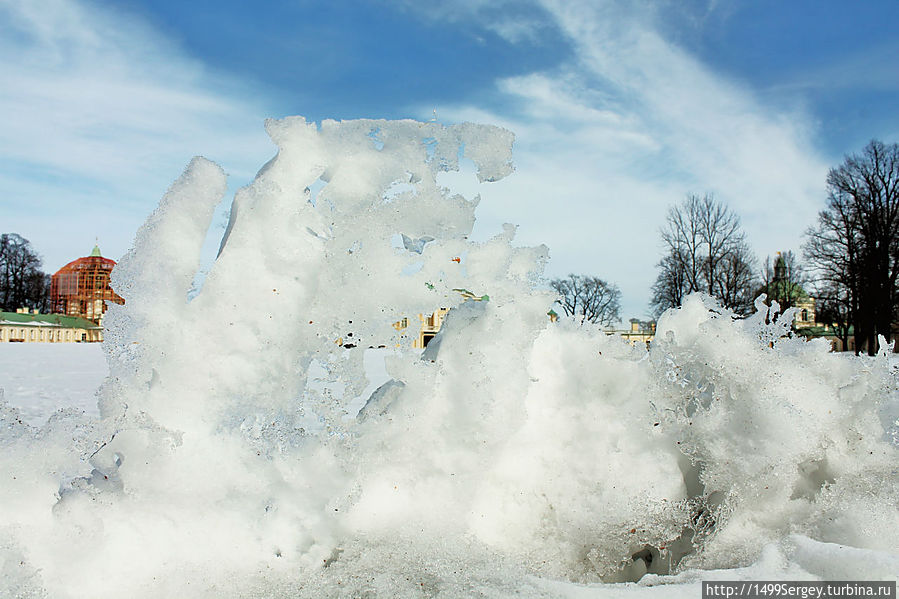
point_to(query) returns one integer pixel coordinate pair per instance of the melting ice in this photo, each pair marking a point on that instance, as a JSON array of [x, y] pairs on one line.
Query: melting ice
[[240, 452]]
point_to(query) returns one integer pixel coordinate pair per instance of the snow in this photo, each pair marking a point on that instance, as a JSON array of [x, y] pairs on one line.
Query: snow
[[40, 378], [245, 449]]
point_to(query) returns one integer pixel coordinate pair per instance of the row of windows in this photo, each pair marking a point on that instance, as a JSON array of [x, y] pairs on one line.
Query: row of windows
[[36, 335]]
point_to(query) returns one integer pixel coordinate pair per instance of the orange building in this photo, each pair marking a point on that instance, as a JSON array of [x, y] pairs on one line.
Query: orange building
[[81, 287]]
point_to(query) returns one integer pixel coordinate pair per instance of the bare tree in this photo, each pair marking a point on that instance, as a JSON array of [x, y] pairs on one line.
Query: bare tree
[[854, 249], [832, 250], [670, 287], [706, 251], [588, 298], [833, 307], [22, 283]]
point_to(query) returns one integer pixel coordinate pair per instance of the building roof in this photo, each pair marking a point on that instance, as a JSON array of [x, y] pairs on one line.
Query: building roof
[[95, 259], [47, 320], [821, 331], [787, 289], [87, 262]]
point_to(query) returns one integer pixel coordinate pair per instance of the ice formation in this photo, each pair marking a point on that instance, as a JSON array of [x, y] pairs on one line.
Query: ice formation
[[240, 454]]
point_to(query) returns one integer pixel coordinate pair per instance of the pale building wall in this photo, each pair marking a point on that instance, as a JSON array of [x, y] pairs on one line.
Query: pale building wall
[[429, 326], [805, 313], [29, 333], [39, 331]]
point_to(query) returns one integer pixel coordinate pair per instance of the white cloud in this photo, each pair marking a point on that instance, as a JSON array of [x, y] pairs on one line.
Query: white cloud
[[99, 110], [607, 143], [516, 30], [604, 143]]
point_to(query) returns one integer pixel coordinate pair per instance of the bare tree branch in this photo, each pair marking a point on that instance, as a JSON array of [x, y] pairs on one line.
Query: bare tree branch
[[589, 298], [706, 251]]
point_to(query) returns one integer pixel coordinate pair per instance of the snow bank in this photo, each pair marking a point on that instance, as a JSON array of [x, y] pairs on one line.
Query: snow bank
[[232, 458]]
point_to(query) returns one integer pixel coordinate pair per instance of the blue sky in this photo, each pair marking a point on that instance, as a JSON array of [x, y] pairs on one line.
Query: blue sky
[[620, 108]]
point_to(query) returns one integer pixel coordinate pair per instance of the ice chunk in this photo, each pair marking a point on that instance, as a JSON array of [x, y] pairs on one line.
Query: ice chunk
[[233, 458]]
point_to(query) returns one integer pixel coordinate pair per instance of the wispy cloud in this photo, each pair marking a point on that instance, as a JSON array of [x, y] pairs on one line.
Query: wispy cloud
[[100, 110], [606, 143], [515, 21], [872, 69]]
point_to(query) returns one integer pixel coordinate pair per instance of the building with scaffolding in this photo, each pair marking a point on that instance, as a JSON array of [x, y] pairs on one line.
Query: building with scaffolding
[[81, 287]]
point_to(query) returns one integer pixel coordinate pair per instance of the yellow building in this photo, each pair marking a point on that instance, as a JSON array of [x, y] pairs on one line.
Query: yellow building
[[429, 326], [24, 326], [640, 331], [805, 313]]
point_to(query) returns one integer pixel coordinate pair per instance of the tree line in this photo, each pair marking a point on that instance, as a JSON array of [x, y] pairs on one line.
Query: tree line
[[22, 282], [851, 257]]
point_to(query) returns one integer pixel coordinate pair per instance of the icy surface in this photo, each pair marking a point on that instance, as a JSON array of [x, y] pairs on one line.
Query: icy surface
[[246, 448]]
